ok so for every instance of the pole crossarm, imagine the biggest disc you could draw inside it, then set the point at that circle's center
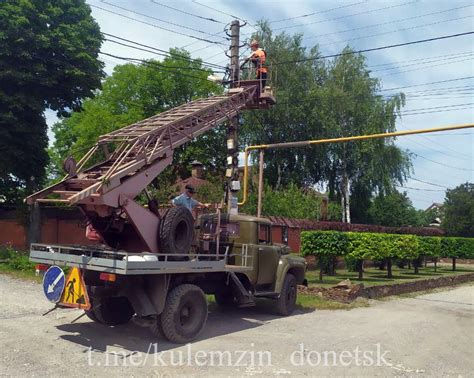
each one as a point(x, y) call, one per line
point(307, 143)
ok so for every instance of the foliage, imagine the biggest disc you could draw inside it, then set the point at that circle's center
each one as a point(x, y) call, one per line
point(289, 201)
point(48, 59)
point(394, 209)
point(329, 243)
point(459, 211)
point(430, 246)
point(379, 246)
point(134, 92)
point(14, 259)
point(326, 99)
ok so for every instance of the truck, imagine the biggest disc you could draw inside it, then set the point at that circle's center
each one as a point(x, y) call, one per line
point(158, 267)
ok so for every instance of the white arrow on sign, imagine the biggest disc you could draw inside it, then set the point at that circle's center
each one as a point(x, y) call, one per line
point(55, 282)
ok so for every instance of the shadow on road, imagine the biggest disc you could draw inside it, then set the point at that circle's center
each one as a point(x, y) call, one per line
point(134, 338)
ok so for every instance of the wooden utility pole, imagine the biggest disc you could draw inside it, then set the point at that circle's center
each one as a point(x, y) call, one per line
point(232, 172)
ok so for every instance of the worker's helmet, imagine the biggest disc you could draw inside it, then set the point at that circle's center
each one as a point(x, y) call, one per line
point(254, 43)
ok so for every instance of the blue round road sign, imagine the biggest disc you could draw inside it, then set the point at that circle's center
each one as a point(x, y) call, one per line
point(53, 283)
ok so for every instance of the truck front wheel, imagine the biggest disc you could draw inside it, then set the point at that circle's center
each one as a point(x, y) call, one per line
point(286, 303)
point(185, 313)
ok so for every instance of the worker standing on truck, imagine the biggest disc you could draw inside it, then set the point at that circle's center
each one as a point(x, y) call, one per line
point(258, 58)
point(186, 199)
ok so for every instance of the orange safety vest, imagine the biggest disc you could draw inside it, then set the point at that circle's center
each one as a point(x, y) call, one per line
point(261, 55)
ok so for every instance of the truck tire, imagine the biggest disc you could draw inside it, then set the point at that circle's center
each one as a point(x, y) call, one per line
point(286, 303)
point(110, 311)
point(185, 313)
point(176, 232)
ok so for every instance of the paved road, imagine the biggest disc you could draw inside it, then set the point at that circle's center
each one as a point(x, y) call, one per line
point(430, 335)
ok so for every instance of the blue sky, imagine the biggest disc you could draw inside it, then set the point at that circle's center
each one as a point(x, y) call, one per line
point(442, 160)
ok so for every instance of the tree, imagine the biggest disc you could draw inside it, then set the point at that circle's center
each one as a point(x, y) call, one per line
point(134, 92)
point(319, 99)
point(48, 59)
point(459, 211)
point(293, 117)
point(394, 209)
point(351, 105)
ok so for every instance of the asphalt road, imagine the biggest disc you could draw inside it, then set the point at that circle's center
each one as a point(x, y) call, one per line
point(429, 335)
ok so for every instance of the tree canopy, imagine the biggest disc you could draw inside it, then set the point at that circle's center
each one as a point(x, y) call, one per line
point(395, 210)
point(48, 59)
point(459, 211)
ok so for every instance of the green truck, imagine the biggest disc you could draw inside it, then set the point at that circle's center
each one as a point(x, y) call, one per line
point(231, 257)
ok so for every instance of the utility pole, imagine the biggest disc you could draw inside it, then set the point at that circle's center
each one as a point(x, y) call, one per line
point(232, 171)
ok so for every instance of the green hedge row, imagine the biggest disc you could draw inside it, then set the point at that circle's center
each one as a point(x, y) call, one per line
point(359, 246)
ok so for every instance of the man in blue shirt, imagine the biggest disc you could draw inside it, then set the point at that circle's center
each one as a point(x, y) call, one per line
point(186, 199)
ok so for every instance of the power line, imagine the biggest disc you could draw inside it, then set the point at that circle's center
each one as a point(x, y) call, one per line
point(422, 189)
point(161, 52)
point(157, 19)
point(154, 65)
point(319, 12)
point(377, 48)
point(347, 16)
point(222, 12)
point(395, 31)
point(433, 82)
point(425, 67)
point(420, 61)
point(428, 183)
point(152, 52)
point(154, 25)
point(436, 111)
point(444, 165)
point(386, 23)
point(188, 13)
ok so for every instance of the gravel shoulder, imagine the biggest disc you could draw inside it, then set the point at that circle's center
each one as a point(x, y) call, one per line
point(429, 334)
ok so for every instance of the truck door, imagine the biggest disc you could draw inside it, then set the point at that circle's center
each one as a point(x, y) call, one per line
point(268, 255)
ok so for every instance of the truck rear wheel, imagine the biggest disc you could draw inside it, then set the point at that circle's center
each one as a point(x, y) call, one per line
point(110, 311)
point(286, 303)
point(185, 313)
point(176, 232)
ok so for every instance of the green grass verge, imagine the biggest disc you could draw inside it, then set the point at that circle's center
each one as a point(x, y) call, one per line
point(29, 274)
point(375, 276)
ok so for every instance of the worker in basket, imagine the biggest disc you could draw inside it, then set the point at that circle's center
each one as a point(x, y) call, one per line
point(258, 58)
point(186, 200)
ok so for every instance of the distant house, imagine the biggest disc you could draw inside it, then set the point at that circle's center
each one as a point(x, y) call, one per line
point(436, 210)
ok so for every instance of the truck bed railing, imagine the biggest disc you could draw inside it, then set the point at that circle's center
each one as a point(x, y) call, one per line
point(103, 259)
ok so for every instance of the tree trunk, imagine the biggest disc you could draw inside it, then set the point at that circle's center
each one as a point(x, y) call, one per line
point(278, 183)
point(383, 264)
point(454, 263)
point(426, 261)
point(320, 271)
point(345, 197)
point(436, 264)
point(389, 268)
point(360, 269)
point(416, 265)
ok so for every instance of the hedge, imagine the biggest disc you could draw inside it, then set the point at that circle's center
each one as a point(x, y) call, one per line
point(359, 246)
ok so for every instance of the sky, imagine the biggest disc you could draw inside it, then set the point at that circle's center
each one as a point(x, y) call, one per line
point(437, 77)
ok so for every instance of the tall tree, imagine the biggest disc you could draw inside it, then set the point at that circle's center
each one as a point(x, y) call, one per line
point(293, 117)
point(459, 211)
point(48, 59)
point(134, 92)
point(351, 105)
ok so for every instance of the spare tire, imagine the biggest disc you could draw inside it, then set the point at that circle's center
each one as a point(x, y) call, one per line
point(176, 232)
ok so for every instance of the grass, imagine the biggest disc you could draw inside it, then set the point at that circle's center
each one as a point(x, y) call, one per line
point(29, 274)
point(375, 276)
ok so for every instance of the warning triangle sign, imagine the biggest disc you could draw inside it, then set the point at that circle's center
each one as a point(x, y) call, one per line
point(75, 293)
